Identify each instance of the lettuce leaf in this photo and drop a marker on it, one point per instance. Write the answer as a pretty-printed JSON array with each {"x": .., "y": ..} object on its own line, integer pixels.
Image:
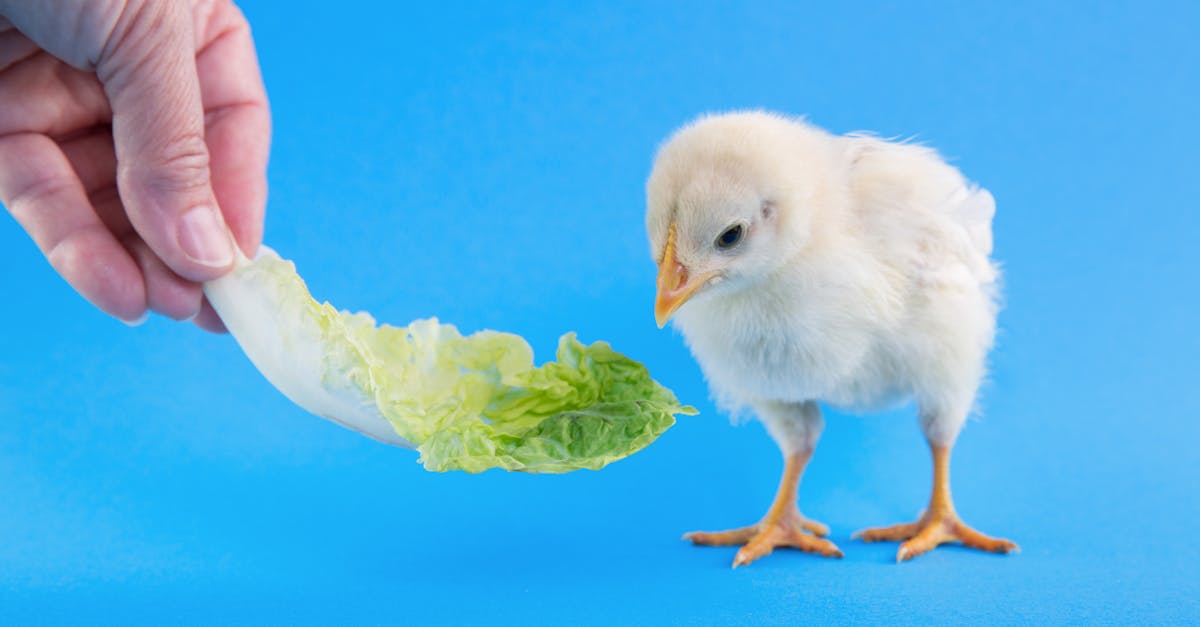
[{"x": 466, "y": 402}]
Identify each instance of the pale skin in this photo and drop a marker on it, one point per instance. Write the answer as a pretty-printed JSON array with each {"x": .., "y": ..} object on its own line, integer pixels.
[{"x": 133, "y": 146}]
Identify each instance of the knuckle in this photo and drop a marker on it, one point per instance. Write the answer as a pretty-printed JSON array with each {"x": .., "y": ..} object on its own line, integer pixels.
[
  {"x": 237, "y": 17},
  {"x": 66, "y": 254},
  {"x": 41, "y": 191},
  {"x": 240, "y": 22},
  {"x": 181, "y": 165}
]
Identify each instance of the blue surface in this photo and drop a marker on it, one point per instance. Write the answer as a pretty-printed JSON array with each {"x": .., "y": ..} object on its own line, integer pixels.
[{"x": 485, "y": 165}]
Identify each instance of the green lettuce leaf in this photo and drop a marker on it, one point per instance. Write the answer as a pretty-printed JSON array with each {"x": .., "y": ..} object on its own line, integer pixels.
[{"x": 466, "y": 402}]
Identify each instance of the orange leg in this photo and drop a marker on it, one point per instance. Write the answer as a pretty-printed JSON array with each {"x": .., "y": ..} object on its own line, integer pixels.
[
  {"x": 783, "y": 526},
  {"x": 939, "y": 524}
]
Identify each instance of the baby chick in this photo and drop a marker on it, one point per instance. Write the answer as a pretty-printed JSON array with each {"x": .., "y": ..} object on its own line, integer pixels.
[{"x": 802, "y": 266}]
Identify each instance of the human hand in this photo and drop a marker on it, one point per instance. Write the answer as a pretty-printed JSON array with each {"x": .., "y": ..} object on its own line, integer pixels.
[{"x": 133, "y": 140}]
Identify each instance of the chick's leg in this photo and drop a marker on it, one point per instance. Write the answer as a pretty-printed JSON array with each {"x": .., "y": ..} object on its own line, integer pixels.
[
  {"x": 783, "y": 526},
  {"x": 939, "y": 524}
]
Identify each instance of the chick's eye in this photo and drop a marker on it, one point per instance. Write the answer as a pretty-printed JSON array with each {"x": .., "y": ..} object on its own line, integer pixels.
[{"x": 730, "y": 237}]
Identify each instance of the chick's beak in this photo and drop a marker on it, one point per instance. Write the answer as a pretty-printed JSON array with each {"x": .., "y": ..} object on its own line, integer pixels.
[{"x": 675, "y": 283}]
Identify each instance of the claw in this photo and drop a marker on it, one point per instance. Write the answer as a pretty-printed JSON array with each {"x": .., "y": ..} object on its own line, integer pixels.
[
  {"x": 791, "y": 531},
  {"x": 939, "y": 524},
  {"x": 783, "y": 526},
  {"x": 933, "y": 531}
]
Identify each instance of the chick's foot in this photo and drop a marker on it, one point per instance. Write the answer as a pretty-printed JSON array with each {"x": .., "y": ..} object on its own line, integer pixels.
[
  {"x": 935, "y": 528},
  {"x": 789, "y": 530},
  {"x": 939, "y": 524}
]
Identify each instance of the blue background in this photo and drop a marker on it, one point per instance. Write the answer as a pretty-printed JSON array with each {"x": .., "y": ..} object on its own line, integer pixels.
[{"x": 485, "y": 165}]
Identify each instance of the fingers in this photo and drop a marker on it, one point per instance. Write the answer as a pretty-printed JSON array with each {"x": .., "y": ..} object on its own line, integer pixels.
[
  {"x": 42, "y": 95},
  {"x": 42, "y": 192},
  {"x": 94, "y": 163},
  {"x": 166, "y": 292},
  {"x": 238, "y": 122},
  {"x": 144, "y": 53},
  {"x": 148, "y": 70},
  {"x": 92, "y": 160},
  {"x": 208, "y": 319},
  {"x": 92, "y": 157}
]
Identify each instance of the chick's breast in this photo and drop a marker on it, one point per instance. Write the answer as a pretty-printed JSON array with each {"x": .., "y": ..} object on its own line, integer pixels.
[
  {"x": 794, "y": 339},
  {"x": 893, "y": 297}
]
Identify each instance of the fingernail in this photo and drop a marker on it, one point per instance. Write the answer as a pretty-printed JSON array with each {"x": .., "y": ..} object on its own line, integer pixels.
[
  {"x": 204, "y": 238},
  {"x": 138, "y": 321}
]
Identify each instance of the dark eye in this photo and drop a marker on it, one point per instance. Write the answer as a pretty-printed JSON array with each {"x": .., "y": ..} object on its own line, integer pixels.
[{"x": 731, "y": 237}]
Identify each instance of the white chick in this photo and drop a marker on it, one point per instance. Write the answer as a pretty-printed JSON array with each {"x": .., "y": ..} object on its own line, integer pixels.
[{"x": 805, "y": 267}]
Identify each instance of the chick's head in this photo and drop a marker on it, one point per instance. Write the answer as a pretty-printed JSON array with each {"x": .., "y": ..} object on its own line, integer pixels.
[{"x": 729, "y": 202}]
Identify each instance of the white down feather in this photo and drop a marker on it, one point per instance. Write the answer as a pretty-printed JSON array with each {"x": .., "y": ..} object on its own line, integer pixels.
[{"x": 865, "y": 277}]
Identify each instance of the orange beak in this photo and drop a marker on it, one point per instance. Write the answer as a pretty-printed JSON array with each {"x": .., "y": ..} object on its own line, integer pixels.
[{"x": 675, "y": 284}]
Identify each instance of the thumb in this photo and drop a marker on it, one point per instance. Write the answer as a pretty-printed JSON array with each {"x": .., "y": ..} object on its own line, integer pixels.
[{"x": 148, "y": 68}]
